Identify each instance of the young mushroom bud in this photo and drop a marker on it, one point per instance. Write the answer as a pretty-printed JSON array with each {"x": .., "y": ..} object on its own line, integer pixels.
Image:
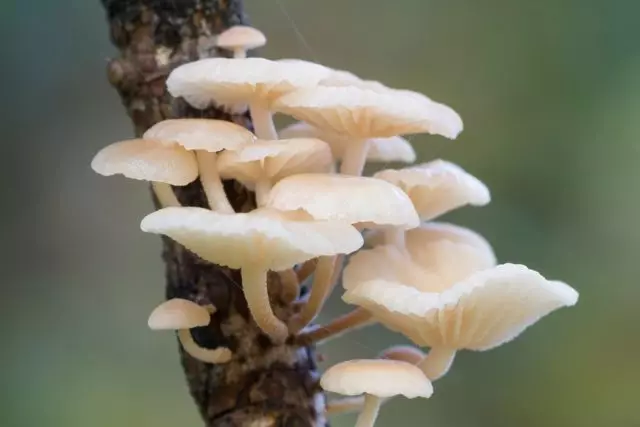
[
  {"x": 205, "y": 138},
  {"x": 376, "y": 379},
  {"x": 255, "y": 243},
  {"x": 163, "y": 163},
  {"x": 182, "y": 315},
  {"x": 239, "y": 39}
]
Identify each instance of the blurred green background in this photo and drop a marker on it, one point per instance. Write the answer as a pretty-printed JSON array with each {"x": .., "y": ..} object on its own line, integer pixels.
[{"x": 550, "y": 95}]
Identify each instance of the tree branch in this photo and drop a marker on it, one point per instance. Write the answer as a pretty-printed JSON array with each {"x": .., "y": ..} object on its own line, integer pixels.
[{"x": 264, "y": 384}]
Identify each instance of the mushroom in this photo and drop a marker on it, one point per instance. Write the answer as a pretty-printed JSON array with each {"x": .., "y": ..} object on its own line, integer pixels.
[
  {"x": 435, "y": 188},
  {"x": 254, "y": 242},
  {"x": 239, "y": 39},
  {"x": 362, "y": 114},
  {"x": 480, "y": 312},
  {"x": 162, "y": 163},
  {"x": 354, "y": 200},
  {"x": 182, "y": 315},
  {"x": 258, "y": 166},
  {"x": 381, "y": 150},
  {"x": 205, "y": 137},
  {"x": 233, "y": 82},
  {"x": 376, "y": 379}
]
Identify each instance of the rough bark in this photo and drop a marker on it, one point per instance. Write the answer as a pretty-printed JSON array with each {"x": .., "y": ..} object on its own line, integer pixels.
[{"x": 265, "y": 384}]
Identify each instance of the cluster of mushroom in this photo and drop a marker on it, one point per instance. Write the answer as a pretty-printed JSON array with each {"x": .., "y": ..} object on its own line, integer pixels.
[{"x": 438, "y": 284}]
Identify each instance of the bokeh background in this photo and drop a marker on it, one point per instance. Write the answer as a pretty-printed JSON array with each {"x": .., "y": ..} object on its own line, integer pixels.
[{"x": 550, "y": 95}]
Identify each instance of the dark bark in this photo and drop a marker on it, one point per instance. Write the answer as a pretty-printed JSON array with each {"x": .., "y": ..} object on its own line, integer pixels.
[{"x": 265, "y": 384}]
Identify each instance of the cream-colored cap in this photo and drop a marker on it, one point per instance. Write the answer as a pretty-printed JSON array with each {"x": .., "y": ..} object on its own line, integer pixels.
[
  {"x": 239, "y": 81},
  {"x": 252, "y": 239},
  {"x": 345, "y": 198},
  {"x": 393, "y": 149},
  {"x": 483, "y": 311},
  {"x": 241, "y": 37},
  {"x": 178, "y": 313},
  {"x": 379, "y": 377},
  {"x": 147, "y": 160},
  {"x": 201, "y": 134},
  {"x": 275, "y": 160},
  {"x": 438, "y": 187},
  {"x": 365, "y": 113}
]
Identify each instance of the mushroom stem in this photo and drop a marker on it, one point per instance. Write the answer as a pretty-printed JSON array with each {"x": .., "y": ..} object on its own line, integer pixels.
[
  {"x": 290, "y": 285},
  {"x": 254, "y": 283},
  {"x": 165, "y": 194},
  {"x": 345, "y": 405},
  {"x": 211, "y": 183},
  {"x": 320, "y": 291},
  {"x": 403, "y": 354},
  {"x": 437, "y": 362},
  {"x": 354, "y": 157},
  {"x": 395, "y": 236},
  {"x": 262, "y": 121},
  {"x": 355, "y": 319},
  {"x": 239, "y": 53},
  {"x": 263, "y": 187},
  {"x": 306, "y": 269},
  {"x": 367, "y": 417},
  {"x": 215, "y": 356}
]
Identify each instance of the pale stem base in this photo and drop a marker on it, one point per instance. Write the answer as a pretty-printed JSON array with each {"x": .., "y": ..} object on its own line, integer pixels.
[
  {"x": 211, "y": 183},
  {"x": 254, "y": 283},
  {"x": 354, "y": 157},
  {"x": 262, "y": 122},
  {"x": 437, "y": 362},
  {"x": 345, "y": 405},
  {"x": 215, "y": 356},
  {"x": 263, "y": 188},
  {"x": 367, "y": 417},
  {"x": 355, "y": 319},
  {"x": 290, "y": 284},
  {"x": 320, "y": 291},
  {"x": 165, "y": 194},
  {"x": 239, "y": 53}
]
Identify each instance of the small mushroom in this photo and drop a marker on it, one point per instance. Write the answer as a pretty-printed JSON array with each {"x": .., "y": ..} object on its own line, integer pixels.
[
  {"x": 162, "y": 163},
  {"x": 239, "y": 39},
  {"x": 376, "y": 379},
  {"x": 381, "y": 150},
  {"x": 205, "y": 137},
  {"x": 182, "y": 315},
  {"x": 235, "y": 82},
  {"x": 483, "y": 311},
  {"x": 258, "y": 166},
  {"x": 435, "y": 188},
  {"x": 354, "y": 200},
  {"x": 254, "y": 242},
  {"x": 362, "y": 114}
]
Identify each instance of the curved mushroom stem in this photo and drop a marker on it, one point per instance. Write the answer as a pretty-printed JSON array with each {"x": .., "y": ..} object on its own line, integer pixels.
[
  {"x": 254, "y": 284},
  {"x": 239, "y": 53},
  {"x": 345, "y": 405},
  {"x": 395, "y": 236},
  {"x": 262, "y": 121},
  {"x": 290, "y": 284},
  {"x": 306, "y": 269},
  {"x": 215, "y": 356},
  {"x": 367, "y": 417},
  {"x": 437, "y": 362},
  {"x": 263, "y": 187},
  {"x": 355, "y": 319},
  {"x": 211, "y": 183},
  {"x": 165, "y": 194},
  {"x": 354, "y": 157},
  {"x": 320, "y": 290}
]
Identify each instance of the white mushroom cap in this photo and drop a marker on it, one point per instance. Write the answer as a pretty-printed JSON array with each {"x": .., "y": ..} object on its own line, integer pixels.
[
  {"x": 147, "y": 160},
  {"x": 177, "y": 314},
  {"x": 437, "y": 187},
  {"x": 485, "y": 310},
  {"x": 364, "y": 113},
  {"x": 239, "y": 81},
  {"x": 201, "y": 134},
  {"x": 275, "y": 160},
  {"x": 241, "y": 37},
  {"x": 345, "y": 198},
  {"x": 393, "y": 149},
  {"x": 380, "y": 377},
  {"x": 252, "y": 239}
]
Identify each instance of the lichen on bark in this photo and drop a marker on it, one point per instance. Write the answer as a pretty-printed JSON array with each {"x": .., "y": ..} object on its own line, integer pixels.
[{"x": 265, "y": 384}]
